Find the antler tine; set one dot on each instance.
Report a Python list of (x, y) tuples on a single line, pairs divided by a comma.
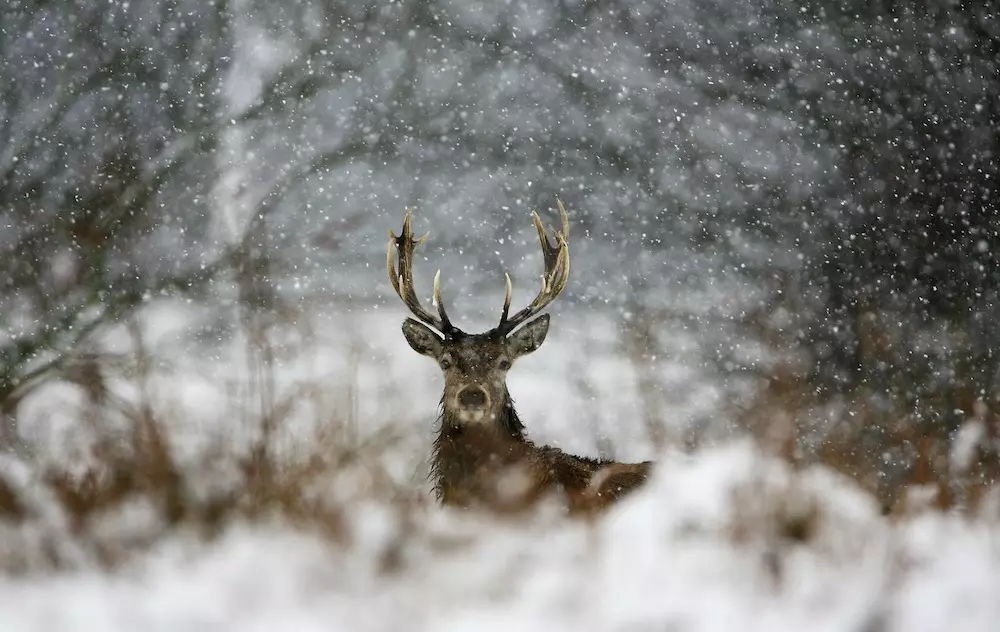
[(439, 303), (401, 277), (556, 260), (506, 300)]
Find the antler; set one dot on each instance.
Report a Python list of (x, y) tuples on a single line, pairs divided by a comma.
[(554, 280), (401, 278)]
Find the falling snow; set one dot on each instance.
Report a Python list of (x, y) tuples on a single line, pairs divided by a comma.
[(784, 220)]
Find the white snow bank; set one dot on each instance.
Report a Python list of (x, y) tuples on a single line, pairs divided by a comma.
[(724, 540)]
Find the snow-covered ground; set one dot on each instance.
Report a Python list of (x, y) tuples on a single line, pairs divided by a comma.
[(724, 539)]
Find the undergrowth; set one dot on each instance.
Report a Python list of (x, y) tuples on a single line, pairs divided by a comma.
[(130, 483), (914, 436), (132, 486)]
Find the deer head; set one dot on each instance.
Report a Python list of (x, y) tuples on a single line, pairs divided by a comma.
[(475, 365)]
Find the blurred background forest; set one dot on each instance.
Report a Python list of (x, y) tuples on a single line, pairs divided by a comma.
[(797, 201)]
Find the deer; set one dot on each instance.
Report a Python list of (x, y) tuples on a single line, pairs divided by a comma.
[(481, 455)]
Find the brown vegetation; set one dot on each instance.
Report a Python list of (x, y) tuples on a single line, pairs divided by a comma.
[(131, 486), (56, 515), (939, 449)]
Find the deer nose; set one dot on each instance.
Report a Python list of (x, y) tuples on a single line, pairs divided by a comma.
[(472, 397)]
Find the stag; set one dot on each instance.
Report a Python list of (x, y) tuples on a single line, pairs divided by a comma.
[(481, 455)]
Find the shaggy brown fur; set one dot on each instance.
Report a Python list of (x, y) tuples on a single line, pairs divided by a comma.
[(495, 466)]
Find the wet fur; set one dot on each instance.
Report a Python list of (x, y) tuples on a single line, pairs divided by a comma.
[(469, 464)]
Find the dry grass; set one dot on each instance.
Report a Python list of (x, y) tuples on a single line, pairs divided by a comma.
[(137, 488), (132, 486), (140, 483), (936, 450)]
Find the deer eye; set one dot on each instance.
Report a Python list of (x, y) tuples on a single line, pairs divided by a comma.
[(503, 364)]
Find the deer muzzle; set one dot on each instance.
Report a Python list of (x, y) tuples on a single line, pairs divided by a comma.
[(473, 403)]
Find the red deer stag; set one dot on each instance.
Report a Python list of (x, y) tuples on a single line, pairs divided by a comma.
[(481, 452)]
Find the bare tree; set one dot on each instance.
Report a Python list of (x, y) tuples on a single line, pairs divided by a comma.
[(110, 119)]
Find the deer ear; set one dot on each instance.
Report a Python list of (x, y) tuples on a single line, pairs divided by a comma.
[(421, 338), (528, 338)]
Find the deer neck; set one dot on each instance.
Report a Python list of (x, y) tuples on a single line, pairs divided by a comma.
[(461, 451)]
